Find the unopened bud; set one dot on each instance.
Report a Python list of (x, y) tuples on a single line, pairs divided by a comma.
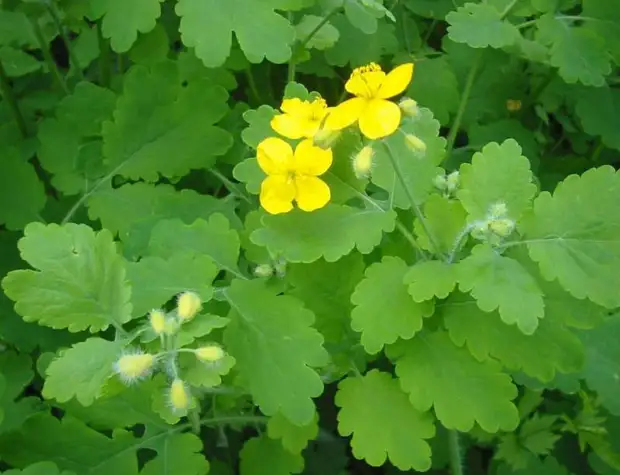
[(480, 230), (132, 367), (263, 270), (362, 162), (210, 353), (415, 144), (498, 210), (325, 138), (188, 305), (179, 395), (408, 106), (452, 181), (513, 105), (502, 227), (157, 318), (440, 182)]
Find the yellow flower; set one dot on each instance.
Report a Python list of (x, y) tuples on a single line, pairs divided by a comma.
[(301, 119), (293, 175), (377, 116)]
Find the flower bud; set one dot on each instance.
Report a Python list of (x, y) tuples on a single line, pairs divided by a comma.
[(188, 305), (452, 181), (513, 105), (157, 318), (408, 106), (440, 182), (480, 230), (209, 353), (263, 270), (325, 138), (498, 210), (179, 395), (132, 367), (362, 162), (502, 227), (415, 144)]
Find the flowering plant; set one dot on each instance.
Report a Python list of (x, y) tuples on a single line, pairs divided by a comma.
[(364, 235)]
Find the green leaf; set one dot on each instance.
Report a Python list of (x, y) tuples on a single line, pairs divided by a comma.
[(208, 26), (198, 327), (435, 87), (152, 47), (433, 370), (429, 279), (602, 362), (331, 232), (324, 38), (535, 436), (212, 238), (79, 282), (384, 311), (123, 20), (579, 53), (264, 456), (70, 142), (21, 191), (598, 109), (276, 348), (552, 347), (445, 218), (418, 169), (81, 371), (16, 29), (154, 280), (607, 26), (157, 118), (499, 173), (40, 468), (259, 126), (294, 438), (179, 453), (18, 63), (502, 283), (134, 209), (17, 376), (480, 25), (574, 239), (535, 466), (203, 375), (326, 288), (384, 425)]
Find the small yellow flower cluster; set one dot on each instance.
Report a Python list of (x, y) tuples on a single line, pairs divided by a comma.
[(293, 174), (135, 364)]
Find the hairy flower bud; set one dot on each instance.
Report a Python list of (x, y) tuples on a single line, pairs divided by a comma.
[(362, 162), (415, 144), (157, 319), (498, 210), (263, 270), (408, 106), (502, 227), (188, 305), (132, 367), (209, 353), (452, 181), (440, 182), (326, 138), (179, 395)]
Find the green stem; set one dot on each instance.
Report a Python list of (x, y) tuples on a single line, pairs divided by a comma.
[(65, 39), (414, 205), (230, 186), (49, 60), (252, 85), (105, 58), (226, 420), (454, 447), (429, 32), (292, 64), (194, 419), (469, 83), (596, 153), (9, 97)]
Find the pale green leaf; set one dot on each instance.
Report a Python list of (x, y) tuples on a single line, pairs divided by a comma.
[(429, 279), (276, 349), (331, 232), (445, 219), (384, 311), (81, 371), (79, 282), (264, 456), (294, 438), (324, 38), (383, 423), (481, 25), (433, 370)]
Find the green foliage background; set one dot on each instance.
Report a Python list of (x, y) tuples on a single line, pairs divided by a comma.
[(379, 334)]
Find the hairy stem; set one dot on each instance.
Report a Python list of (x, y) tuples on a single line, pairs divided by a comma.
[(49, 60), (9, 97), (65, 38), (416, 209), (454, 447)]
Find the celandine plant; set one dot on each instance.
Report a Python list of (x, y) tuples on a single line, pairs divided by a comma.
[(363, 237)]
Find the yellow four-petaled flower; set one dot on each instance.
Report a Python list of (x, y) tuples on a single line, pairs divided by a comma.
[(377, 117), (300, 119), (293, 175)]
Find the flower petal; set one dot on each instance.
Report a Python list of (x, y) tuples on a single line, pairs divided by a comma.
[(312, 160), (396, 81), (289, 126), (365, 84), (277, 194), (345, 114), (312, 193), (275, 156), (380, 119), (294, 106)]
